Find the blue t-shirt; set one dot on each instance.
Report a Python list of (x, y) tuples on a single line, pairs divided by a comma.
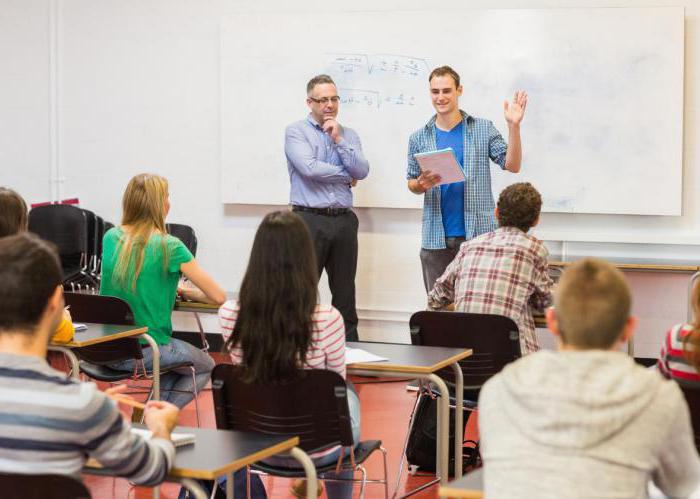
[(452, 195)]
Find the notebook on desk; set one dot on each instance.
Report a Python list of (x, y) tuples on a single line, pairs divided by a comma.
[(178, 439)]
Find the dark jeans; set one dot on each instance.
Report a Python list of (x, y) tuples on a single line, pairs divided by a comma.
[(335, 240), (434, 262)]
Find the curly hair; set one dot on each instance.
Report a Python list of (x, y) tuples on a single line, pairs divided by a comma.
[(519, 206)]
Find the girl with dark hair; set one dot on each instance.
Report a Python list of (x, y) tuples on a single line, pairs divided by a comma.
[(13, 213), (277, 327)]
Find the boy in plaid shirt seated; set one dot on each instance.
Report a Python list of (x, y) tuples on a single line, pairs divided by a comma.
[(503, 272)]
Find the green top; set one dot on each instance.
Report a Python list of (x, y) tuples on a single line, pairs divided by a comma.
[(153, 298)]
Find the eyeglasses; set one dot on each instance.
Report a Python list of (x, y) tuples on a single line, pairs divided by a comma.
[(325, 100)]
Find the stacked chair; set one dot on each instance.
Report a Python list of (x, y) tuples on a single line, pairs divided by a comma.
[(77, 234)]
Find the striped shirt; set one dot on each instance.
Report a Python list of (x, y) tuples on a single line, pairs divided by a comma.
[(503, 272), (327, 338), (482, 142), (52, 424), (672, 363)]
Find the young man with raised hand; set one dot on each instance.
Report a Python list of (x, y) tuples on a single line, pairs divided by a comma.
[(503, 272), (586, 421), (457, 212), (49, 423)]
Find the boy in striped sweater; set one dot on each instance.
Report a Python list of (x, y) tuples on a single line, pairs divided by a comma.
[(49, 423)]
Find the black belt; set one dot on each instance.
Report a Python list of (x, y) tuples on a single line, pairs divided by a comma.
[(329, 212)]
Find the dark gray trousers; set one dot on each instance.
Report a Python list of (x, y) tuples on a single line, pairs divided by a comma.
[(335, 240), (434, 262)]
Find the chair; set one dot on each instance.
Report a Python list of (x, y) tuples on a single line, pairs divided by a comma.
[(692, 397), (321, 421), (494, 340), (184, 233), (66, 227), (96, 359), (15, 486)]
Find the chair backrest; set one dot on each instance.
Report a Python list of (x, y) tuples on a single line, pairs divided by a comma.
[(91, 224), (692, 397), (63, 225), (184, 233), (104, 310), (16, 486), (494, 339), (314, 406)]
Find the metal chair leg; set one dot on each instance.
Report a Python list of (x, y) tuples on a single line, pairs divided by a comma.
[(363, 483), (405, 444), (386, 473)]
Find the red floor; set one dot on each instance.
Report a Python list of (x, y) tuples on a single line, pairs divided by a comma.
[(386, 409)]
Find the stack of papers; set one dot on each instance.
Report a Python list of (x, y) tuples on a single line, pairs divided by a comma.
[(357, 355), (442, 162), (177, 438)]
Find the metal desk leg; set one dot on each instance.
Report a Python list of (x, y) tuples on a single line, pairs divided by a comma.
[(202, 335), (309, 469), (194, 487), (156, 365), (459, 420), (229, 485), (443, 429), (72, 358)]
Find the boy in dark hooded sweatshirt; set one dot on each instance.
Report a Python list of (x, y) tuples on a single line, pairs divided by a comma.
[(586, 421)]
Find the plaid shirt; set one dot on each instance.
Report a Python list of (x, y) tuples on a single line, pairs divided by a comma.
[(481, 142), (504, 273)]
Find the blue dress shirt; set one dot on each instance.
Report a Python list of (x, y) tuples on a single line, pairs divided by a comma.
[(320, 171)]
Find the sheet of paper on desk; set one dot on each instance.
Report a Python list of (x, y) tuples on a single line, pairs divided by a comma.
[(444, 163), (77, 326), (177, 438), (357, 355)]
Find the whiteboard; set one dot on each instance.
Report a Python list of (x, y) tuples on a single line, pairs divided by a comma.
[(602, 131)]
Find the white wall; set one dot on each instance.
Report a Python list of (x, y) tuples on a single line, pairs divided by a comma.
[(96, 91)]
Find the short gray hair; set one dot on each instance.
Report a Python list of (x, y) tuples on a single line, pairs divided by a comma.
[(318, 80)]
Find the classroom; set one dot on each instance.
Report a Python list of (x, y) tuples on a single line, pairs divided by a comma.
[(198, 91)]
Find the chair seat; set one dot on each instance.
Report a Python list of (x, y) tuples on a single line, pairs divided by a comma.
[(106, 373), (362, 452)]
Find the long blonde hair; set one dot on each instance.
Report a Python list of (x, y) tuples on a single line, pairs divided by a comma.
[(691, 342), (143, 210)]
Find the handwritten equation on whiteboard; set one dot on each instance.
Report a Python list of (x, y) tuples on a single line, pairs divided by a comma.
[(372, 98), (376, 80)]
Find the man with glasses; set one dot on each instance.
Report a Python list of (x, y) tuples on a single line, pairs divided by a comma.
[(325, 160)]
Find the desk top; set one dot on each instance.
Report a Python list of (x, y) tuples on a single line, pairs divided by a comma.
[(470, 486), (408, 358), (640, 264), (101, 333), (217, 452), (195, 306)]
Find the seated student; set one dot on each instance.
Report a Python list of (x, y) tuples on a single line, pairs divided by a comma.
[(680, 351), (13, 213), (13, 220), (276, 326), (586, 421), (503, 272), (50, 423), (141, 264)]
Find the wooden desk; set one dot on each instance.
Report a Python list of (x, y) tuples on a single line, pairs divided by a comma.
[(96, 334), (634, 264), (470, 486), (217, 453), (423, 362)]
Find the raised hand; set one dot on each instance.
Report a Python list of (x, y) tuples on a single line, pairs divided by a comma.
[(515, 110)]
